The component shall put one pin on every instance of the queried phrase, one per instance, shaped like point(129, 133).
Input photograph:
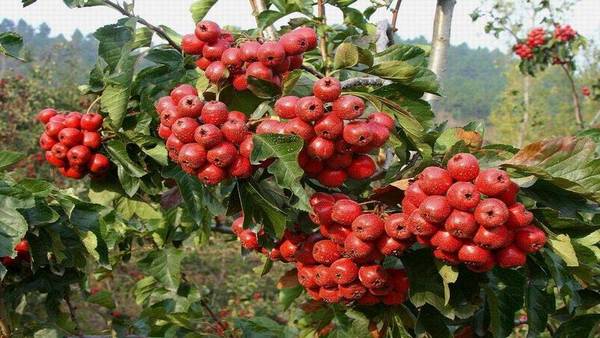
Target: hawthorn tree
point(159, 200)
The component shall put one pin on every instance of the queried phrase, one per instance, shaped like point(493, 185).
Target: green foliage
point(11, 44)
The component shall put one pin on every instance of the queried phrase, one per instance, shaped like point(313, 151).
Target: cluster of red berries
point(471, 216)
point(523, 51)
point(204, 138)
point(337, 138)
point(341, 262)
point(564, 33)
point(536, 37)
point(269, 61)
point(22, 249)
point(585, 91)
point(71, 142)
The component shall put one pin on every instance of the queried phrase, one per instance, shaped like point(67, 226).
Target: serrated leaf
point(567, 286)
point(118, 154)
point(11, 44)
point(561, 244)
point(579, 327)
point(402, 52)
point(143, 38)
point(8, 158)
point(165, 266)
point(200, 8)
point(346, 56)
point(12, 226)
point(568, 162)
point(354, 17)
point(259, 207)
point(394, 70)
point(284, 149)
point(289, 82)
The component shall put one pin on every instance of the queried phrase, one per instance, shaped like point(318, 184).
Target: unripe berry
point(327, 89)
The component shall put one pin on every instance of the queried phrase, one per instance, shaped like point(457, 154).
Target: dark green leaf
point(287, 296)
point(40, 214)
point(538, 302)
point(118, 154)
point(504, 298)
point(143, 38)
point(165, 266)
point(394, 70)
point(263, 89)
point(579, 327)
point(260, 207)
point(287, 172)
point(83, 3)
point(267, 18)
point(200, 8)
point(12, 226)
point(289, 82)
point(354, 18)
point(431, 322)
point(8, 158)
point(11, 44)
point(245, 101)
point(263, 327)
point(102, 298)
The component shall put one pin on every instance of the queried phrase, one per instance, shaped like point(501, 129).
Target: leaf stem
point(323, 39)
point(309, 68)
point(141, 20)
point(96, 100)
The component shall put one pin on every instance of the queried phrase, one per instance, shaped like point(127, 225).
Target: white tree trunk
point(440, 41)
point(269, 32)
point(525, 122)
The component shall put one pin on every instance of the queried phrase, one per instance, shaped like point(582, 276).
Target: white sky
point(415, 19)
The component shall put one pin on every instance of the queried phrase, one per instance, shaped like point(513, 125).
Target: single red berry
point(285, 107)
point(270, 126)
point(355, 248)
point(408, 207)
point(281, 68)
point(357, 133)
point(450, 258)
point(396, 226)
point(288, 250)
point(214, 50)
point(216, 72)
point(373, 276)
point(306, 277)
point(327, 89)
point(60, 150)
point(240, 82)
point(362, 167)
point(73, 120)
point(321, 197)
point(445, 241)
point(368, 227)
point(492, 182)
point(491, 212)
point(203, 63)
point(330, 295)
point(309, 34)
point(184, 129)
point(518, 216)
point(339, 161)
point(207, 31)
point(325, 252)
point(247, 146)
point(435, 209)
point(222, 155)
point(509, 197)
point(232, 59)
point(173, 145)
point(293, 43)
point(241, 167)
point(259, 71)
point(53, 160)
point(92, 139)
point(249, 51)
point(414, 194)
point(182, 91)
point(164, 132)
point(98, 164)
point(382, 118)
point(322, 213)
point(47, 142)
point(271, 53)
point(45, 114)
point(211, 174)
point(190, 44)
point(79, 155)
point(296, 61)
point(300, 128)
point(343, 147)
point(53, 128)
point(190, 106)
point(463, 196)
point(320, 148)
point(344, 270)
point(313, 168)
point(74, 172)
point(248, 239)
point(493, 238)
point(168, 117)
point(530, 239)
point(192, 155)
point(214, 112)
point(380, 134)
point(22, 247)
point(435, 181)
point(208, 135)
point(461, 224)
point(419, 225)
point(510, 257)
point(70, 137)
point(332, 178)
point(329, 126)
point(309, 108)
point(463, 167)
point(324, 277)
point(348, 107)
point(235, 131)
point(345, 211)
point(390, 246)
point(474, 255)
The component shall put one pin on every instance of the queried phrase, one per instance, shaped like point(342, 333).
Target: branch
point(363, 81)
point(4, 328)
point(72, 314)
point(395, 15)
point(313, 71)
point(158, 30)
point(258, 6)
point(578, 116)
point(212, 315)
point(323, 40)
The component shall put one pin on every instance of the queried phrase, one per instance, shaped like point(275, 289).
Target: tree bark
point(440, 41)
point(525, 121)
point(576, 104)
point(258, 6)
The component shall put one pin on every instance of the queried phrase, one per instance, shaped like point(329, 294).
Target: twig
point(72, 314)
point(395, 15)
point(93, 104)
point(323, 40)
point(578, 117)
point(309, 68)
point(363, 81)
point(212, 314)
point(4, 328)
point(158, 30)
point(258, 6)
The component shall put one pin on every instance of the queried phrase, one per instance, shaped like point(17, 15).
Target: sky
point(415, 18)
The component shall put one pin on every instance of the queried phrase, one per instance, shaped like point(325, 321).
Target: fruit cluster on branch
point(471, 216)
point(22, 249)
point(270, 61)
point(539, 40)
point(71, 142)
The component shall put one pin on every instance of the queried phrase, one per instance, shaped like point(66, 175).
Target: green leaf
point(263, 89)
point(261, 208)
point(102, 298)
point(289, 82)
point(394, 70)
point(173, 35)
point(354, 17)
point(567, 286)
point(27, 2)
point(143, 38)
point(449, 275)
point(83, 3)
point(8, 158)
point(200, 8)
point(402, 52)
point(112, 39)
point(579, 327)
point(561, 244)
point(118, 154)
point(346, 56)
point(263, 327)
point(244, 101)
point(538, 302)
point(39, 214)
point(566, 162)
point(12, 226)
point(267, 18)
point(11, 44)
point(165, 266)
point(287, 172)
point(504, 297)
point(47, 333)
point(430, 322)
point(287, 296)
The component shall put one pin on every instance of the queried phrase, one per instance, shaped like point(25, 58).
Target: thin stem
point(578, 117)
point(4, 328)
point(395, 15)
point(323, 39)
point(309, 68)
point(72, 314)
point(156, 29)
point(212, 315)
point(96, 100)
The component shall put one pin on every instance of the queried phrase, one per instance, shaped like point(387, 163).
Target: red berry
point(390, 246)
point(222, 154)
point(168, 117)
point(321, 197)
point(320, 148)
point(434, 181)
point(355, 248)
point(309, 34)
point(461, 224)
point(396, 226)
point(345, 211)
point(492, 182)
point(446, 257)
point(259, 71)
point(190, 44)
point(330, 295)
point(309, 108)
point(329, 127)
point(327, 89)
point(207, 31)
point(296, 61)
point(285, 107)
point(214, 50)
point(408, 207)
point(348, 107)
point(419, 225)
point(518, 216)
point(45, 114)
point(322, 213)
point(344, 270)
point(510, 257)
point(288, 250)
point(53, 160)
point(47, 142)
point(445, 241)
point(249, 51)
point(241, 167)
point(369, 299)
point(184, 129)
point(98, 164)
point(234, 131)
point(357, 133)
point(463, 167)
point(79, 155)
point(325, 252)
point(382, 118)
point(164, 132)
point(332, 178)
point(92, 139)
point(60, 151)
point(362, 167)
point(192, 155)
point(203, 63)
point(70, 137)
point(530, 239)
point(53, 128)
point(493, 238)
point(214, 112)
point(435, 209)
point(182, 91)
point(240, 82)
point(324, 277)
point(339, 161)
point(248, 239)
point(211, 174)
point(353, 291)
point(72, 172)
point(509, 197)
point(300, 128)
point(216, 72)
point(232, 59)
point(73, 120)
point(22, 247)
point(373, 276)
point(293, 43)
point(491, 213)
point(380, 134)
point(306, 277)
point(271, 53)
point(463, 196)
point(368, 227)
point(190, 106)
point(414, 194)
point(208, 135)
point(247, 146)
point(173, 144)
point(474, 256)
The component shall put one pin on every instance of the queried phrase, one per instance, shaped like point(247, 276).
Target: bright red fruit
point(192, 155)
point(330, 295)
point(184, 129)
point(285, 107)
point(309, 34)
point(53, 160)
point(182, 91)
point(435, 209)
point(207, 31)
point(382, 118)
point(211, 174)
point(325, 252)
point(222, 154)
point(216, 72)
point(492, 182)
point(445, 241)
point(348, 107)
point(259, 71)
point(474, 255)
point(395, 226)
point(345, 211)
point(332, 178)
point(390, 246)
point(357, 133)
point(491, 212)
point(92, 139)
point(208, 135)
point(309, 108)
point(324, 277)
point(234, 131)
point(530, 239)
point(98, 164)
point(414, 194)
point(327, 89)
point(45, 114)
point(463, 196)
point(232, 59)
point(271, 53)
point(47, 142)
point(73, 120)
point(511, 257)
point(344, 270)
point(362, 167)
point(249, 239)
point(214, 112)
point(70, 137)
point(293, 43)
point(463, 167)
point(434, 181)
point(355, 248)
point(190, 106)
point(518, 216)
point(300, 128)
point(214, 50)
point(419, 225)
point(461, 224)
point(320, 148)
point(190, 44)
point(79, 155)
point(368, 227)
point(493, 238)
point(60, 151)
point(373, 276)
point(353, 291)
point(329, 127)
